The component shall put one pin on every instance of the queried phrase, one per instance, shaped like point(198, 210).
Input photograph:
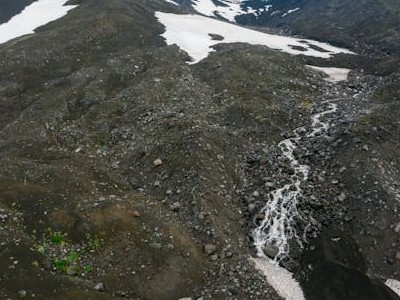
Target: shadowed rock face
point(333, 281)
point(336, 269)
point(10, 8)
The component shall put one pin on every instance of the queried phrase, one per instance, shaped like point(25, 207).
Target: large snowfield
point(192, 34)
point(37, 14)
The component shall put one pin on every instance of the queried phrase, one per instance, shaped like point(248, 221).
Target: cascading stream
point(277, 227)
point(278, 224)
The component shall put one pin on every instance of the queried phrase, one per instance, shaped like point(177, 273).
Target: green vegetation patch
point(67, 257)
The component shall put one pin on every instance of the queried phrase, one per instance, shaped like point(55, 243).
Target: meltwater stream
point(278, 226)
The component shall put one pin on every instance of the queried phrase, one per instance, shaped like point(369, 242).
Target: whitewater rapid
point(281, 209)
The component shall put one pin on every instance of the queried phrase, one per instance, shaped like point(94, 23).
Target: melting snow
point(280, 279)
point(37, 14)
point(290, 11)
point(334, 74)
point(394, 285)
point(172, 2)
point(192, 34)
point(229, 10)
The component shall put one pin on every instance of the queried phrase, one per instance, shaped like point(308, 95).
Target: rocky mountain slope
point(126, 172)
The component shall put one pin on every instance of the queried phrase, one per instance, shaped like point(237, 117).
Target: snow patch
point(37, 14)
point(290, 11)
point(280, 279)
point(172, 2)
point(334, 74)
point(394, 285)
point(191, 33)
point(229, 11)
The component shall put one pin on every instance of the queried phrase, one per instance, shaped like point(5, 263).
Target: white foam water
point(277, 227)
point(280, 210)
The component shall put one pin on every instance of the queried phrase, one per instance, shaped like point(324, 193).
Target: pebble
point(22, 294)
point(342, 197)
point(397, 228)
point(156, 246)
point(99, 287)
point(157, 183)
point(210, 249)
point(269, 184)
point(214, 257)
point(381, 224)
point(157, 162)
point(251, 207)
point(71, 272)
point(175, 206)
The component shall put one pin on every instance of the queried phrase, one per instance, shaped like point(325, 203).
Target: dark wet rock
point(216, 37)
point(289, 264)
point(338, 271)
point(271, 250)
